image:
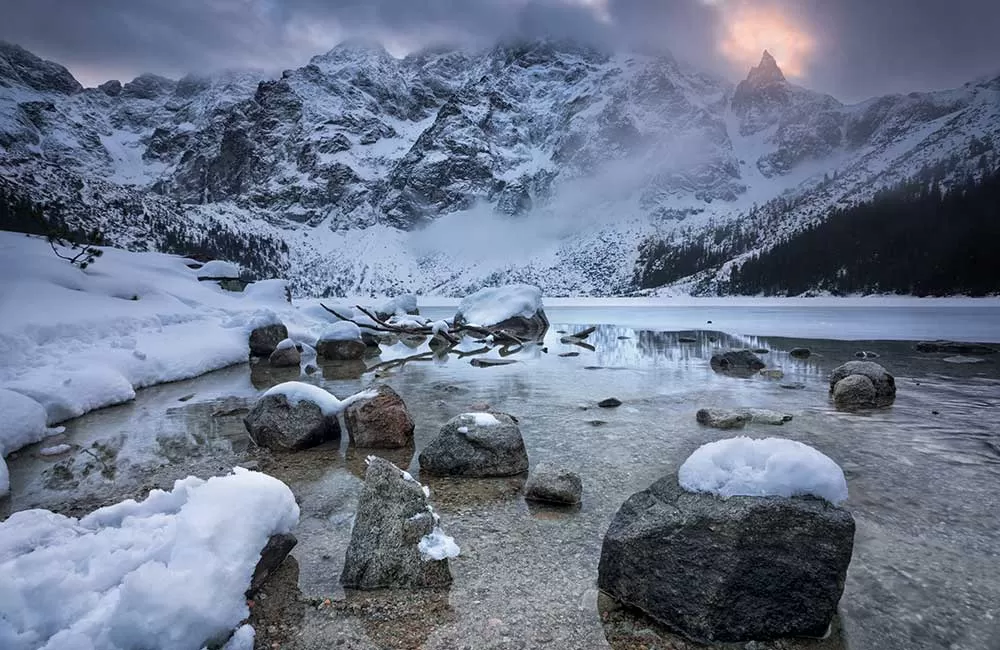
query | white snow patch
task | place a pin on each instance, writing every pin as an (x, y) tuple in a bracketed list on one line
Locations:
[(493, 305), (437, 546), (439, 327), (219, 269), (242, 639), (463, 429), (273, 291), (168, 572), (399, 306), (341, 331), (484, 419), (329, 404), (769, 467), (285, 344), (54, 450)]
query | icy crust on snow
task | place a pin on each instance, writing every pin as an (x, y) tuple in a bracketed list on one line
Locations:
[(341, 331), (167, 572), (329, 404), (768, 467), (219, 269), (494, 305)]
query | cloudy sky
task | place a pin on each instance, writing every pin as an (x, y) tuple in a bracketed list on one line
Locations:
[(850, 48)]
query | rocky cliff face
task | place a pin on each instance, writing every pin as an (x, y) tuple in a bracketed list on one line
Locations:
[(379, 172)]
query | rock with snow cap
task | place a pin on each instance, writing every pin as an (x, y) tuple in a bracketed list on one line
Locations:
[(476, 445), (382, 422)]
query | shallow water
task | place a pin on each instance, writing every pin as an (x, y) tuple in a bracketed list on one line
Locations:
[(924, 486)]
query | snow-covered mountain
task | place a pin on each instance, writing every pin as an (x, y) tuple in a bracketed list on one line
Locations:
[(546, 162)]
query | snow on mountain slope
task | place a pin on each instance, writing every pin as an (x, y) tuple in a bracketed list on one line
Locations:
[(543, 162)]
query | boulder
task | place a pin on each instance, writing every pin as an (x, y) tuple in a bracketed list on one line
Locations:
[(275, 422), (767, 416), (553, 484), (382, 422), (396, 541), (515, 309), (800, 353), (347, 350), (739, 363), (954, 347), (265, 339), (884, 383), (854, 392), (476, 445), (610, 403), (728, 570), (722, 419), (287, 355)]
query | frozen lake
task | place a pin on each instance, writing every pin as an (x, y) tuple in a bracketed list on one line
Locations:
[(923, 475)]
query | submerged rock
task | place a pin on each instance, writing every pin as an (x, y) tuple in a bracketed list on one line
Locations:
[(554, 485), (800, 353), (739, 363), (396, 541), (954, 347), (277, 423), (265, 339), (347, 350), (722, 419), (962, 359), (380, 422), (767, 416), (854, 392), (772, 373), (727, 570), (610, 403), (476, 445), (883, 382)]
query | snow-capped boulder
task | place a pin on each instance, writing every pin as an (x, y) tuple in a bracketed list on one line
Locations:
[(739, 363), (722, 419), (382, 422), (341, 341), (397, 541), (854, 392), (476, 445), (403, 305), (698, 553), (293, 416), (554, 485), (170, 571), (884, 383), (287, 354), (514, 308)]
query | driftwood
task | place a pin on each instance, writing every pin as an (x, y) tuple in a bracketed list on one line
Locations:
[(378, 325)]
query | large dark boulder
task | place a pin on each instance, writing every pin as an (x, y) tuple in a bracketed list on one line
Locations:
[(265, 339), (278, 423), (727, 570), (854, 392), (476, 445), (739, 363), (382, 422), (345, 350), (884, 383), (391, 532)]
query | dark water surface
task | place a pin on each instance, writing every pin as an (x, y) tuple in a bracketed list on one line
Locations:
[(923, 475)]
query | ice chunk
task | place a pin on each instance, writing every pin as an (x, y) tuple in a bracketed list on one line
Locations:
[(437, 546), (219, 269), (329, 404), (167, 572), (494, 305), (341, 331), (768, 467), (484, 419)]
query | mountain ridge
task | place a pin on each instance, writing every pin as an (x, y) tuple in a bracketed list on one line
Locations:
[(378, 172)]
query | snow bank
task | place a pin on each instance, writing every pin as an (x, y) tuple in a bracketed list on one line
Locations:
[(23, 422), (398, 306), (769, 467), (329, 404), (341, 331), (168, 572), (496, 304), (219, 269), (274, 291)]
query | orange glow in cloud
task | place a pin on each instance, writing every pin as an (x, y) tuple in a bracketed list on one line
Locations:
[(749, 29)]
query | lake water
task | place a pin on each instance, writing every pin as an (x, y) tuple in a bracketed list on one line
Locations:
[(923, 475)]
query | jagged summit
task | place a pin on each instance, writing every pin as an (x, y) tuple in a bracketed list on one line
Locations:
[(766, 72), (20, 67)]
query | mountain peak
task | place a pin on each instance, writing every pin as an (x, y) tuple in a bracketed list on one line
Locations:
[(766, 72), (18, 66)]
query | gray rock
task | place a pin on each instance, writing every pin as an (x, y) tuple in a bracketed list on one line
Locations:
[(686, 339), (274, 553), (739, 363), (264, 340), (275, 423), (610, 403), (382, 422), (854, 392), (553, 484), (464, 448), (341, 350), (736, 569), (792, 385), (767, 416), (286, 357), (722, 419), (800, 353), (393, 516), (954, 347), (885, 383), (772, 373)]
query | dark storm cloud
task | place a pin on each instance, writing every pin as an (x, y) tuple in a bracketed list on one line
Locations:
[(863, 47)]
